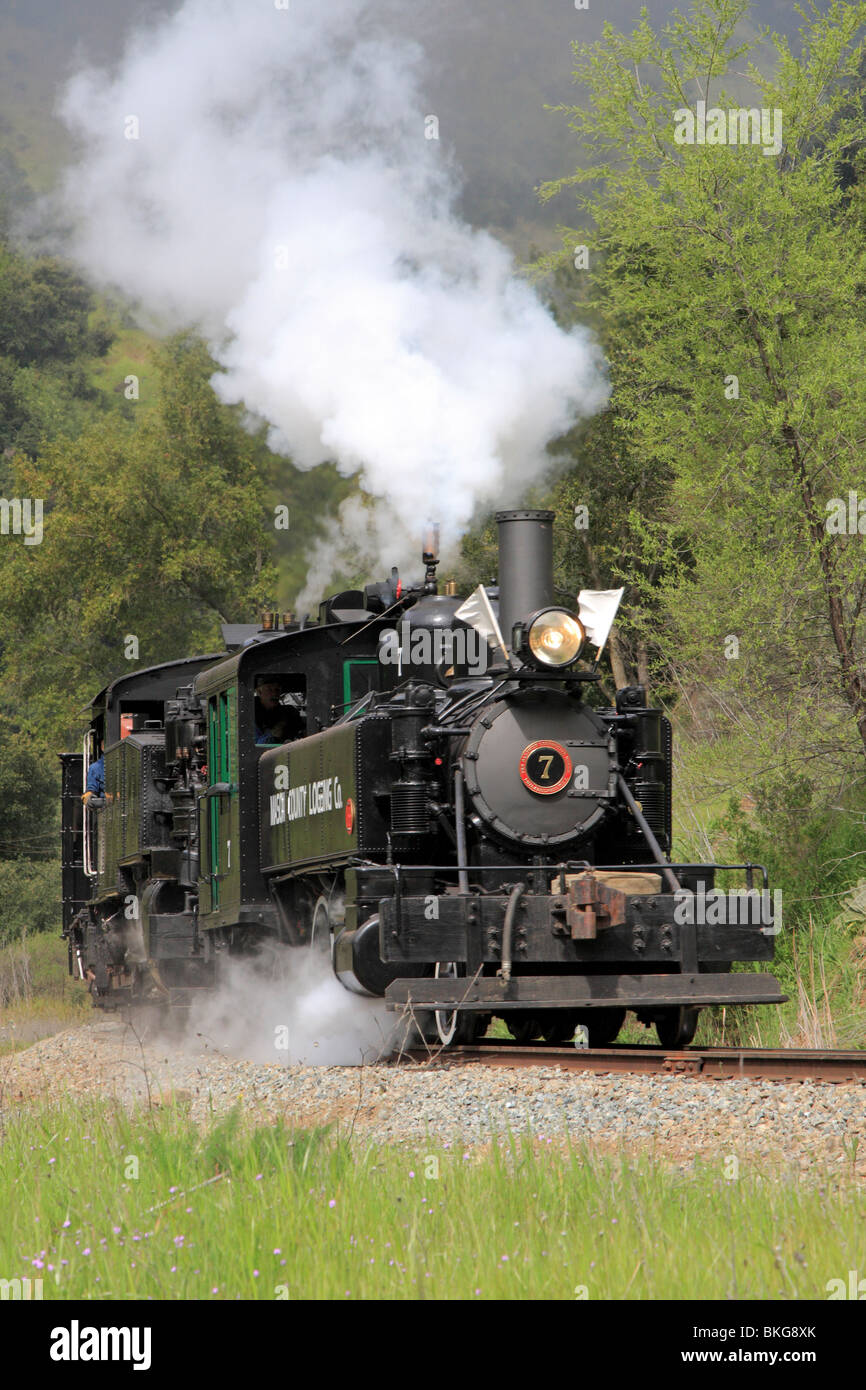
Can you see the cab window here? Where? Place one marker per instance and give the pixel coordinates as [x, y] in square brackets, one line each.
[279, 709]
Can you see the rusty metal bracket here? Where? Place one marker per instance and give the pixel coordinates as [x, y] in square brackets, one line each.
[683, 1066]
[588, 906]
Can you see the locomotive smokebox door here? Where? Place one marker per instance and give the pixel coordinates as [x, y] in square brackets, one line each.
[540, 770]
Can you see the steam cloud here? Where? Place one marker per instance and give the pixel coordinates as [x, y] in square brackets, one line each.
[282, 197]
[301, 1015]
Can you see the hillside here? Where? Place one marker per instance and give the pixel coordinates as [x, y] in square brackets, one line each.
[493, 66]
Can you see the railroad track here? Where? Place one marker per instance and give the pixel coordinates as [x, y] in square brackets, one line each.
[712, 1063]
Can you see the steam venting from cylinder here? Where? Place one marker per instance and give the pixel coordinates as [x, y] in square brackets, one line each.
[525, 566]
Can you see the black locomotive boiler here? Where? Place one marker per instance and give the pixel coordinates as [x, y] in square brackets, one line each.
[445, 815]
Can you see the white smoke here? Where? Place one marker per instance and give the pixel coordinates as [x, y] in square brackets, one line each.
[265, 175]
[297, 1014]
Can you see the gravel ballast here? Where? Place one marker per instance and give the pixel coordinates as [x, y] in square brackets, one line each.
[808, 1124]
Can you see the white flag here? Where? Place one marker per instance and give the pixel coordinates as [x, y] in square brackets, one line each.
[477, 611]
[597, 610]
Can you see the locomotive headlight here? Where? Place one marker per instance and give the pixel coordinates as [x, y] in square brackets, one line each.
[554, 638]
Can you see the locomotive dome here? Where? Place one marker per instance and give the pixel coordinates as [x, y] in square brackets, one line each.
[435, 644]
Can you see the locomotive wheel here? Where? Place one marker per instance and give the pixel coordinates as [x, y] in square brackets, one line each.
[676, 1027]
[454, 1029]
[604, 1025]
[558, 1026]
[523, 1027]
[320, 932]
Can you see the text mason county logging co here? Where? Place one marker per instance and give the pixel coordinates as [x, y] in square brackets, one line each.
[309, 799]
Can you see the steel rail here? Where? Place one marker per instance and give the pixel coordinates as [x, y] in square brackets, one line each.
[709, 1063]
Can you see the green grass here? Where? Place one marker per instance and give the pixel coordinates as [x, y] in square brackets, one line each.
[37, 994]
[821, 966]
[35, 969]
[306, 1215]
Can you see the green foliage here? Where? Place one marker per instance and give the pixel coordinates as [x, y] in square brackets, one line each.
[814, 847]
[153, 530]
[37, 404]
[230, 1147]
[30, 900]
[37, 993]
[48, 333]
[713, 262]
[44, 312]
[29, 788]
[814, 852]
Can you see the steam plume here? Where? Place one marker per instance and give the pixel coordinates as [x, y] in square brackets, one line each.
[264, 175]
[300, 1015]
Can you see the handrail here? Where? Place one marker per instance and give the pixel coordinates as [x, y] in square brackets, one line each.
[569, 865]
[86, 851]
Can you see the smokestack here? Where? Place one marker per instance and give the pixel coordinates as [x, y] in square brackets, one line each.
[525, 566]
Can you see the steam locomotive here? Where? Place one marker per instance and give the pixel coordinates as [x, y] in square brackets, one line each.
[444, 813]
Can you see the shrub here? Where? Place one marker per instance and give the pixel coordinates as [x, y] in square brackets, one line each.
[30, 898]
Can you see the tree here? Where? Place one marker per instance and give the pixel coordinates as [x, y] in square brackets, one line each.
[604, 506]
[28, 796]
[44, 312]
[48, 336]
[152, 534]
[731, 277]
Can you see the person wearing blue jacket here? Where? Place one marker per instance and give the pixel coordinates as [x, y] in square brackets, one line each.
[95, 778]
